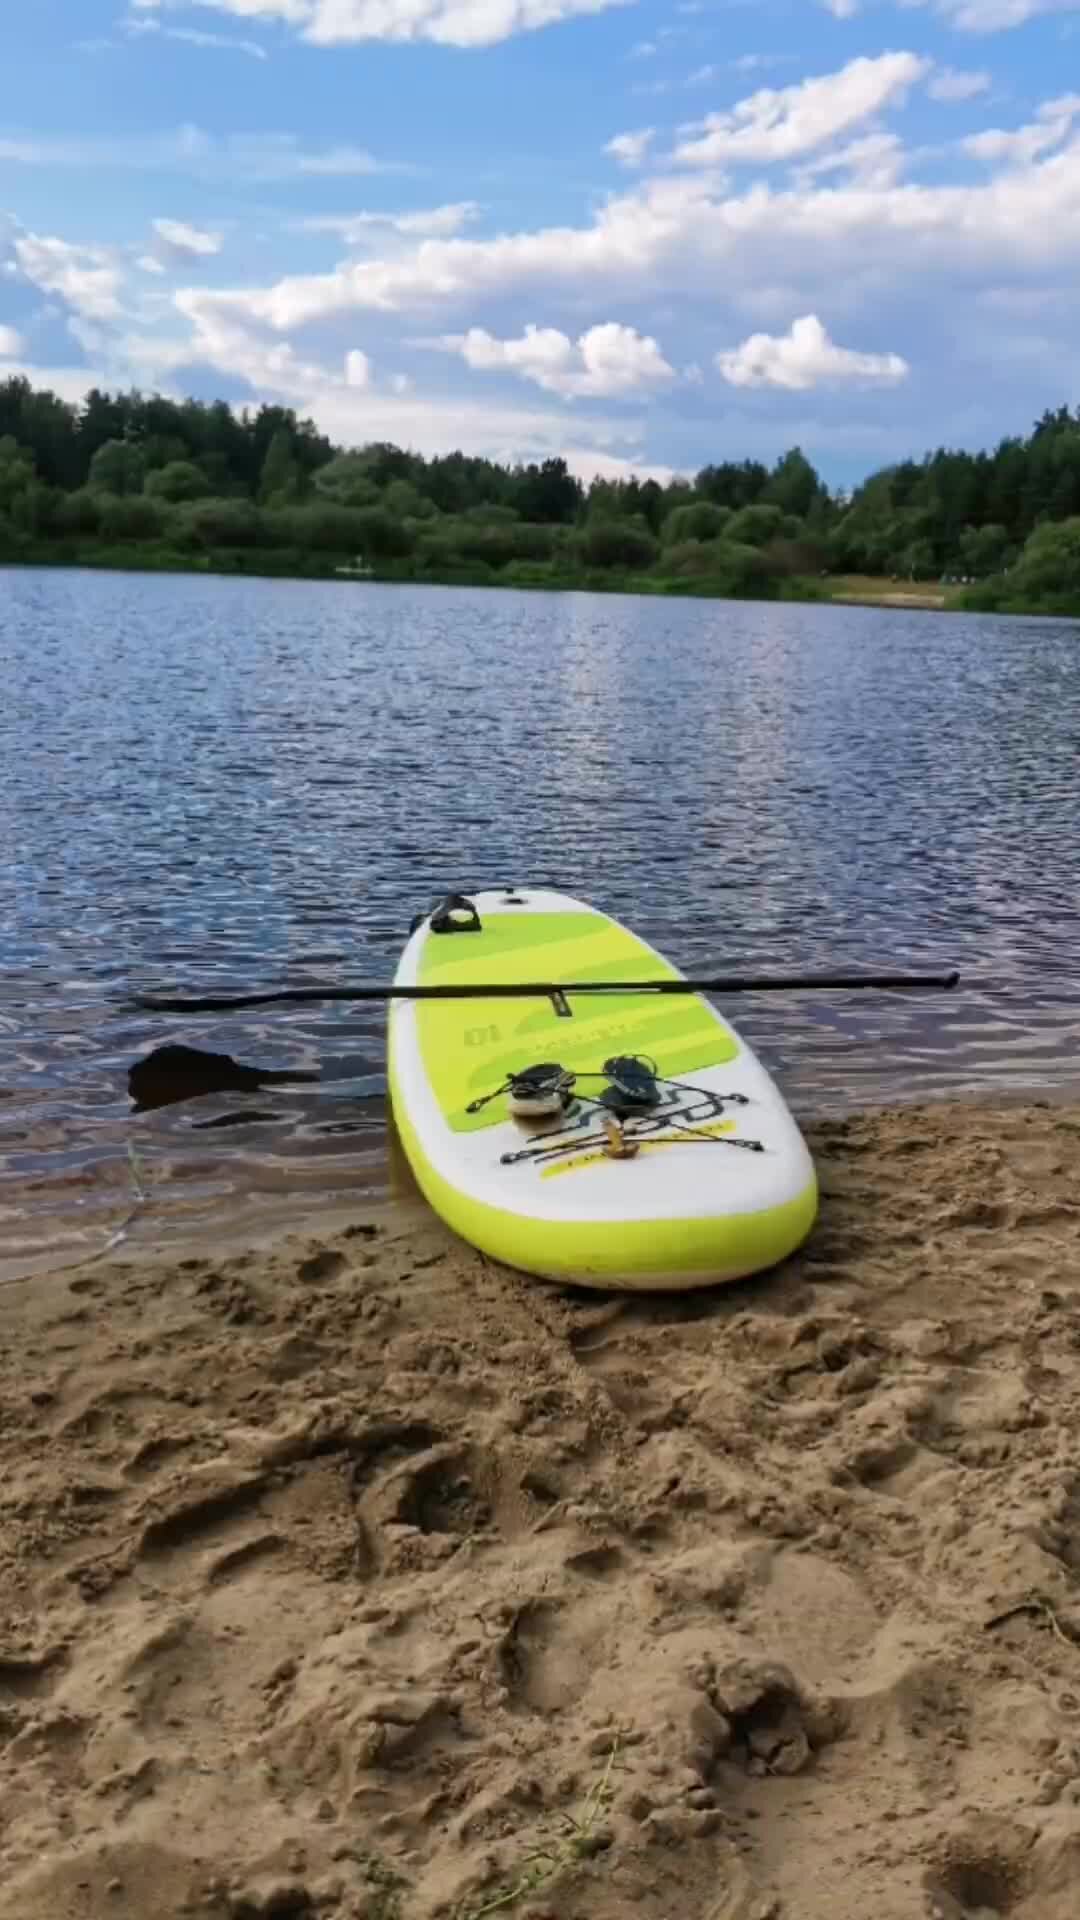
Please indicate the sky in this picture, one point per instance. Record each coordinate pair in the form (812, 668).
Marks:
(641, 234)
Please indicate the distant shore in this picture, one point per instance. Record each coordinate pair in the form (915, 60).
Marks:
(294, 564)
(862, 590)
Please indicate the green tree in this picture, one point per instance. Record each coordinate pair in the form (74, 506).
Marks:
(181, 480)
(16, 471)
(118, 468)
(547, 492)
(983, 550)
(80, 512)
(733, 485)
(754, 526)
(347, 480)
(793, 485)
(403, 501)
(218, 523)
(279, 480)
(132, 517)
(617, 543)
(1050, 563)
(382, 537)
(695, 520)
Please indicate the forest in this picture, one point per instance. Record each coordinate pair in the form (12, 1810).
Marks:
(130, 479)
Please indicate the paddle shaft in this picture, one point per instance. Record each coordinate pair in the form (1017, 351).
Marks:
(554, 990)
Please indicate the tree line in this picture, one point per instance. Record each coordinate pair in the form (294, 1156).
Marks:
(190, 482)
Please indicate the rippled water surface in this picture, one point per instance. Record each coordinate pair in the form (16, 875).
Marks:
(219, 784)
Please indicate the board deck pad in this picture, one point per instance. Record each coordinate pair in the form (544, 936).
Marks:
(470, 1046)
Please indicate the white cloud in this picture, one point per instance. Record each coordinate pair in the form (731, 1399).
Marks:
(994, 16)
(781, 123)
(423, 222)
(1052, 124)
(841, 9)
(86, 277)
(754, 62)
(68, 383)
(806, 357)
(186, 243)
(956, 83)
(220, 339)
(606, 360)
(194, 36)
(643, 50)
(686, 232)
(188, 150)
(454, 23)
(354, 411)
(11, 343)
(839, 232)
(873, 162)
(588, 466)
(629, 148)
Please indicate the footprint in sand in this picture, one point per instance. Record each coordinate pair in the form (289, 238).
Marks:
(544, 1658)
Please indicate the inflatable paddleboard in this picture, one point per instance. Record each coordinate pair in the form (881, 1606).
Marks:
(611, 1140)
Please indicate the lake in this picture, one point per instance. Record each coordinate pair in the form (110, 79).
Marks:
(225, 785)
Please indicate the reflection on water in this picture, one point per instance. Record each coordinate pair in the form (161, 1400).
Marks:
(221, 784)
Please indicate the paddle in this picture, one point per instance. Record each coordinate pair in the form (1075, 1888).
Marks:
(173, 1073)
(556, 991)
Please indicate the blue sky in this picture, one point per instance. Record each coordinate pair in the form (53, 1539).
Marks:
(644, 235)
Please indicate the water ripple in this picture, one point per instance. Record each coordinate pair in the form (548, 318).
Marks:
(218, 784)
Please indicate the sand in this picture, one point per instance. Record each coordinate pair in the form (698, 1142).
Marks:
(355, 1576)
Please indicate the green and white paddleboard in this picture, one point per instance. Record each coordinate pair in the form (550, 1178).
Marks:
(717, 1181)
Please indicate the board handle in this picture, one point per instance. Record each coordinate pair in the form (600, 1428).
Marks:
(455, 914)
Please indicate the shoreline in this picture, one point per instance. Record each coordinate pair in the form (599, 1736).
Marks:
(346, 1572)
(161, 1227)
(249, 564)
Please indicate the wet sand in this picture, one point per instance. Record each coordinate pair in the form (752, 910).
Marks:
(350, 1574)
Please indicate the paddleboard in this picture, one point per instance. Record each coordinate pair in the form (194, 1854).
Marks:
(709, 1183)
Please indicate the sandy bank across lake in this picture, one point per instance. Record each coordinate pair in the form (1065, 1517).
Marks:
(355, 1576)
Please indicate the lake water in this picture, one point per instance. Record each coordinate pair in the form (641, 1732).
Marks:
(226, 785)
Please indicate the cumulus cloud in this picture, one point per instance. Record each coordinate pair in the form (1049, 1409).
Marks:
(88, 278)
(454, 23)
(806, 357)
(681, 254)
(686, 232)
(780, 123)
(11, 343)
(606, 360)
(874, 162)
(353, 408)
(629, 149)
(957, 83)
(1052, 123)
(182, 242)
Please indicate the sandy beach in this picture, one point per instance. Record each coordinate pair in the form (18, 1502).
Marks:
(354, 1576)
